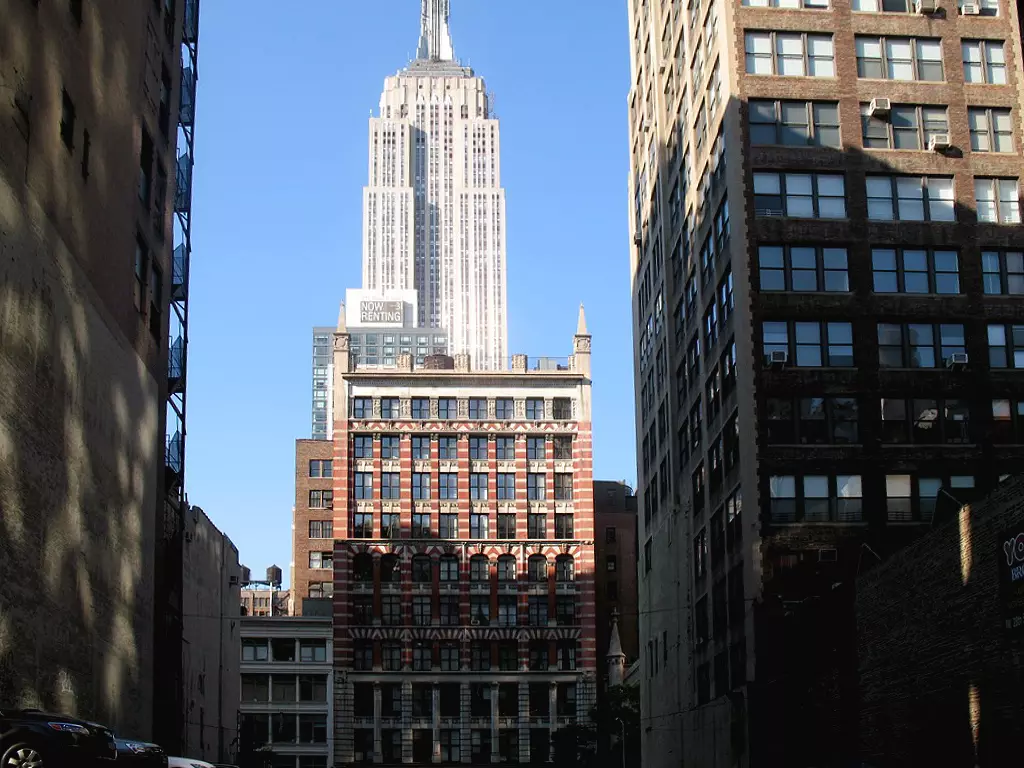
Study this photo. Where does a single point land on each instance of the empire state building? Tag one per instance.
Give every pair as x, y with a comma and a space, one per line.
434, 208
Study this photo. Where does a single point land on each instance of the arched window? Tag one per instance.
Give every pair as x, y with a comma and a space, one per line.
538, 568
478, 568
421, 569
390, 573
449, 568
565, 568
362, 567
507, 568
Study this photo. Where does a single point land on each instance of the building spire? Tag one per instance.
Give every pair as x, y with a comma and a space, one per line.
581, 324
435, 36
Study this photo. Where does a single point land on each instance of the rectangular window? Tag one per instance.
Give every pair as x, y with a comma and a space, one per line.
1003, 272
448, 526
886, 6
421, 525
505, 448
478, 486
815, 499
421, 408
389, 447
478, 448
447, 408
506, 526
420, 448
535, 450
477, 408
811, 344
803, 268
918, 345
506, 486
910, 198
362, 524
321, 499
534, 408
915, 271
321, 529
145, 162
364, 485
1006, 346
447, 448
991, 129
925, 421
984, 61
563, 448
794, 123
504, 409
390, 408
536, 486
997, 201
448, 486
907, 127
564, 526
813, 421
420, 486
562, 409
362, 407
800, 195
479, 526
912, 498
389, 525
321, 468
899, 58
1008, 421
789, 54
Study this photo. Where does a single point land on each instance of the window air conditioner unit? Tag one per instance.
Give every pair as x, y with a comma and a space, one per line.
879, 107
957, 360
970, 9
777, 358
938, 142
925, 6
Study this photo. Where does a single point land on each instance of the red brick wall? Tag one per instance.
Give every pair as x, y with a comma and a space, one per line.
927, 638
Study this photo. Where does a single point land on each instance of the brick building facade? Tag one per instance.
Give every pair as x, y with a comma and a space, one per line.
312, 566
615, 514
463, 559
828, 329
939, 672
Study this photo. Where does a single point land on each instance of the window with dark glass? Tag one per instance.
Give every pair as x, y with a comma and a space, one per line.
803, 268
390, 408
504, 409
420, 448
534, 408
390, 486
478, 408
506, 448
420, 525
447, 408
536, 486
535, 449
421, 408
915, 270
447, 448
478, 448
363, 446
506, 526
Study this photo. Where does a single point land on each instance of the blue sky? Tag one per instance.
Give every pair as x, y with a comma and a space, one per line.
285, 91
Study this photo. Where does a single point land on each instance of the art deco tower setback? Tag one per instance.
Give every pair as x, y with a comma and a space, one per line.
434, 208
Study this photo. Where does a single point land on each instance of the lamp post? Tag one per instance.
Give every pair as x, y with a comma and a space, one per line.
622, 741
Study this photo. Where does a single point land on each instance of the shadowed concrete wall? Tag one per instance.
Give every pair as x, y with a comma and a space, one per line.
211, 650
83, 351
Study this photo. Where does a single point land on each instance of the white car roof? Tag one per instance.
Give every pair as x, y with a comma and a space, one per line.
188, 762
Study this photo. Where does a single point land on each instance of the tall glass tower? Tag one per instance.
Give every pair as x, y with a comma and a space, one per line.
434, 208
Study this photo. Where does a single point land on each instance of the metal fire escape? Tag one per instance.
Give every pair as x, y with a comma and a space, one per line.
169, 724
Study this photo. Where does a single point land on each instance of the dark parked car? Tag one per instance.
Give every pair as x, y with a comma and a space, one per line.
30, 738
138, 754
